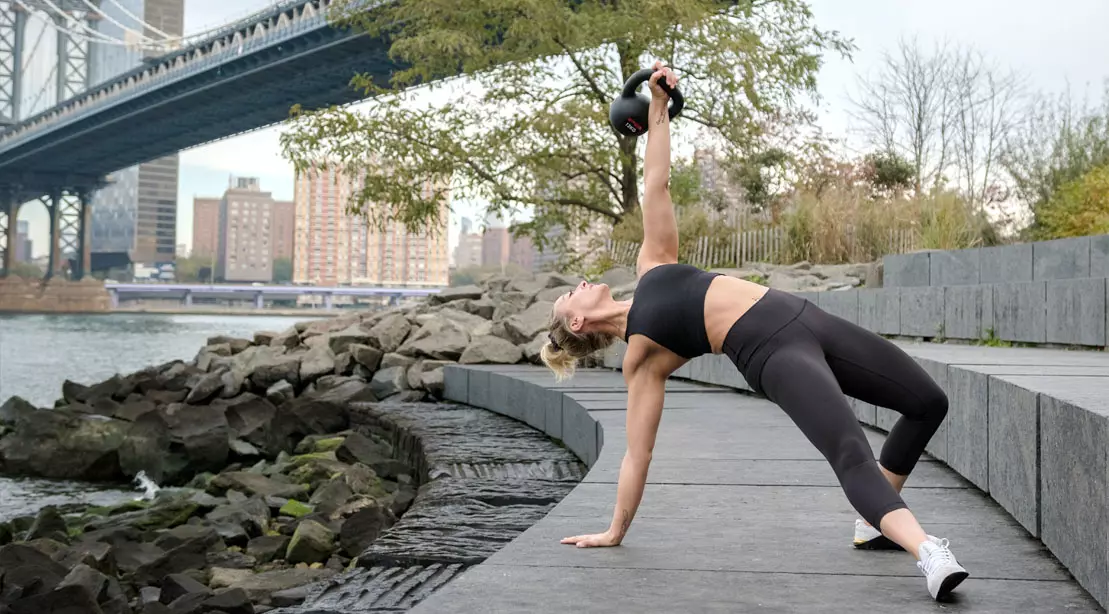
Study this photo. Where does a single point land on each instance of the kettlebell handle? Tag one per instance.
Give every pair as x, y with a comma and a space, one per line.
677, 101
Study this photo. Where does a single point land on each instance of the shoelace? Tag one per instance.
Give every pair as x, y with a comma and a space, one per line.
937, 558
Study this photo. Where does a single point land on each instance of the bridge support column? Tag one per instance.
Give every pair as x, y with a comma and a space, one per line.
259, 300
54, 263
328, 301
188, 300
9, 213
113, 296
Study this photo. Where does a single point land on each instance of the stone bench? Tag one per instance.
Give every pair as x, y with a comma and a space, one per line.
730, 470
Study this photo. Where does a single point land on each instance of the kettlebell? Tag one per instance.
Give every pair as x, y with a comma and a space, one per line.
629, 112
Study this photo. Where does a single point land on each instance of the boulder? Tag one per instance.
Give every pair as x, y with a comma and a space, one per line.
387, 382
388, 334
490, 349
344, 362
316, 413
130, 555
311, 543
202, 432
274, 369
236, 344
163, 514
439, 338
533, 348
315, 363
131, 409
230, 559
472, 324
396, 360
15, 408
231, 601
146, 448
524, 326
365, 355
72, 599
433, 381
98, 555
340, 341
331, 495
260, 586
483, 307
357, 448
618, 276
26, 572
249, 415
207, 387
416, 371
50, 524
363, 527
447, 295
288, 339
280, 392
61, 444
551, 294
175, 585
267, 548
243, 450
328, 382
172, 538
257, 484
509, 303
264, 337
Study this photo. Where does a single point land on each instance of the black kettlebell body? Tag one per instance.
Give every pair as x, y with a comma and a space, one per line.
629, 112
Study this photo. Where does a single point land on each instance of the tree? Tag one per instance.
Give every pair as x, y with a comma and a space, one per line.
26, 270
1060, 142
888, 173
947, 112
528, 125
1078, 208
282, 270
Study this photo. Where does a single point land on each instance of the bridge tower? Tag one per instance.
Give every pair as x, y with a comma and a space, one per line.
65, 197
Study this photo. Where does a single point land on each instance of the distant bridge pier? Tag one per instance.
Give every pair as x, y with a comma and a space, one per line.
188, 300
113, 297
69, 210
9, 213
328, 301
259, 300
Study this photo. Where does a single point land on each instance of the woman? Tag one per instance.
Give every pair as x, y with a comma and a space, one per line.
790, 351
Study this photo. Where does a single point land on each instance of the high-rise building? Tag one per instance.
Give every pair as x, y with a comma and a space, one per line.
334, 247
244, 251
205, 227
522, 253
23, 245
467, 253
283, 226
137, 212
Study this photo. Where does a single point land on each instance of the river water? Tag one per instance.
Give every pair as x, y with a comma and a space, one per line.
39, 352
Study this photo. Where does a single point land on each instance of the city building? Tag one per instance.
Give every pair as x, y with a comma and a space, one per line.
137, 212
244, 252
496, 242
467, 253
283, 226
334, 247
182, 251
23, 245
205, 227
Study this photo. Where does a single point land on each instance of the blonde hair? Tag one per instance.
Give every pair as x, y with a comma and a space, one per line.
564, 348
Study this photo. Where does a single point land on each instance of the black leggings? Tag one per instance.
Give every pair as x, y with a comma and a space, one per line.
806, 360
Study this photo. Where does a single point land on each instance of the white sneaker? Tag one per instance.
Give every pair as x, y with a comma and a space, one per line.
940, 567
869, 538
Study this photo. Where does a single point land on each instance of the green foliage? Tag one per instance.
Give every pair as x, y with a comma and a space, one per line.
193, 269
1078, 208
888, 172
529, 128
1059, 143
758, 279
282, 270
25, 270
992, 340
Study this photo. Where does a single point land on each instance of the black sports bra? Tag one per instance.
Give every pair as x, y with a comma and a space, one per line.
669, 308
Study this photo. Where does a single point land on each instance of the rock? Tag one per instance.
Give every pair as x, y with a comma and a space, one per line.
203, 432
24, 572
344, 362
415, 372
534, 347
98, 555
267, 547
483, 307
257, 484
314, 469
472, 324
146, 448
189, 555
260, 586
396, 360
311, 543
49, 523
166, 397
280, 392
288, 339
206, 388
249, 416
230, 559
6, 534
209, 355
439, 338
275, 369
231, 601
318, 341
447, 295
490, 349
362, 528
236, 344
328, 382
316, 412
72, 599
405, 396
524, 326
365, 355
99, 586
15, 408
340, 341
315, 363
313, 444
295, 509
130, 556
618, 276
164, 514
252, 516
221, 577
291, 596
232, 382
176, 585
59, 444
264, 337
433, 382
243, 449
388, 334
331, 495
130, 410
50, 547
172, 538
389, 381
189, 603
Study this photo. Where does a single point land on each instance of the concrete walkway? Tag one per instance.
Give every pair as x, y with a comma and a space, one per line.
742, 514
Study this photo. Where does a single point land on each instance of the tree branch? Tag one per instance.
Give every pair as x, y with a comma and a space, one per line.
601, 97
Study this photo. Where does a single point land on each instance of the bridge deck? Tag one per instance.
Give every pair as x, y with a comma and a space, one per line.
741, 514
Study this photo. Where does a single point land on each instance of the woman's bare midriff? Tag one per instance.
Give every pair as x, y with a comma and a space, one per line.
727, 300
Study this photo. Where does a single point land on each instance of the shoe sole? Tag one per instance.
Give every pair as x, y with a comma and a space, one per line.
949, 583
878, 543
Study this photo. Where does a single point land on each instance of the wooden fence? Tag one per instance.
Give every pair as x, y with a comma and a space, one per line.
762, 245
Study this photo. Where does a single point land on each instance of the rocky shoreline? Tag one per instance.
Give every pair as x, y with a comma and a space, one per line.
307, 470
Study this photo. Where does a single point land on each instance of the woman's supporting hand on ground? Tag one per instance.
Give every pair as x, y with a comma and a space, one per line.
597, 540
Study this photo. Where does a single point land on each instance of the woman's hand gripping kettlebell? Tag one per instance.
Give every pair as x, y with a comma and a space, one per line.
668, 77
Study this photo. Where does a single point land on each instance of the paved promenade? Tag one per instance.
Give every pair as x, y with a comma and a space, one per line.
742, 514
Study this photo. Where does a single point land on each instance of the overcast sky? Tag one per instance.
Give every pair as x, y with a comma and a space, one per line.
1052, 43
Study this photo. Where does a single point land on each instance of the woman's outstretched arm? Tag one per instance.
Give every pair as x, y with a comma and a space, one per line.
660, 228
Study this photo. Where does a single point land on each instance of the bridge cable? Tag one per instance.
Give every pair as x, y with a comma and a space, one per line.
112, 20
63, 30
